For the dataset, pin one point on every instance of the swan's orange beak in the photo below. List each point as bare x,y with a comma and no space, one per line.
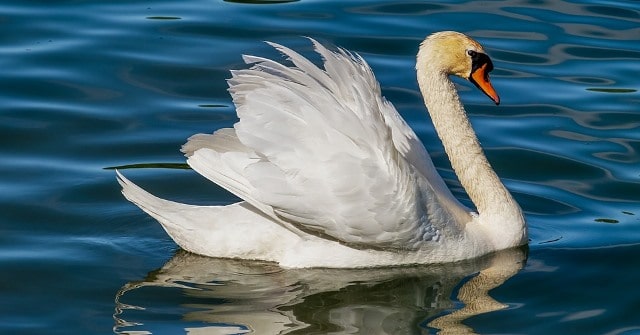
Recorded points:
480,77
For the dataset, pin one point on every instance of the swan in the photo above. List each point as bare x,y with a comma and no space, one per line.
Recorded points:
330,175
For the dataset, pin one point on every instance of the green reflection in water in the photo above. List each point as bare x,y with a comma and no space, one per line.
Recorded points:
180,166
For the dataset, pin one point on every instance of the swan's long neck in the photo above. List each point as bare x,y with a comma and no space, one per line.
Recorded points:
491,198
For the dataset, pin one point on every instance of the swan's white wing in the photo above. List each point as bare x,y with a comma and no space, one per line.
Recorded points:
317,150
412,149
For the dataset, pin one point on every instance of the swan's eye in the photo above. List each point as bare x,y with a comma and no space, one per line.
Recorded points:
472,53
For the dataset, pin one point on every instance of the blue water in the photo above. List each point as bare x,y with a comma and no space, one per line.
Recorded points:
88,85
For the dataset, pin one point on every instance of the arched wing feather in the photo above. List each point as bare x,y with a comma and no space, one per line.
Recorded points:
326,152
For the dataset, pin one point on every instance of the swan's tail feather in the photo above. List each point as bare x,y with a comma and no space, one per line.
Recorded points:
143,199
233,231
185,224
180,227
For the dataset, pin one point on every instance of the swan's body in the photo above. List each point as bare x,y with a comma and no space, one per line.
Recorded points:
332,176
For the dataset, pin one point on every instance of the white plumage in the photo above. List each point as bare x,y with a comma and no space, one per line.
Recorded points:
332,176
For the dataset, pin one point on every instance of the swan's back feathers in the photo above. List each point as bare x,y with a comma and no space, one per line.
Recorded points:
322,150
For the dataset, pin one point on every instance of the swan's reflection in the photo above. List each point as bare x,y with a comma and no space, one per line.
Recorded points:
216,296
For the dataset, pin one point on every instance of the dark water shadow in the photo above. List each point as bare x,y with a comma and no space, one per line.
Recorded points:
201,295
261,2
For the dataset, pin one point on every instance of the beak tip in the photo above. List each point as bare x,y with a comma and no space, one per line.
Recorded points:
494,97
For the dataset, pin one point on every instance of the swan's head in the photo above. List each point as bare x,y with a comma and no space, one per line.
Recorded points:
454,53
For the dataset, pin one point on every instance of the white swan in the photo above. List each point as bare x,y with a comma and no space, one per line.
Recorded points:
332,176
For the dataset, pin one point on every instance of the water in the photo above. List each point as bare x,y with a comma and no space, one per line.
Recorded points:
87,85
